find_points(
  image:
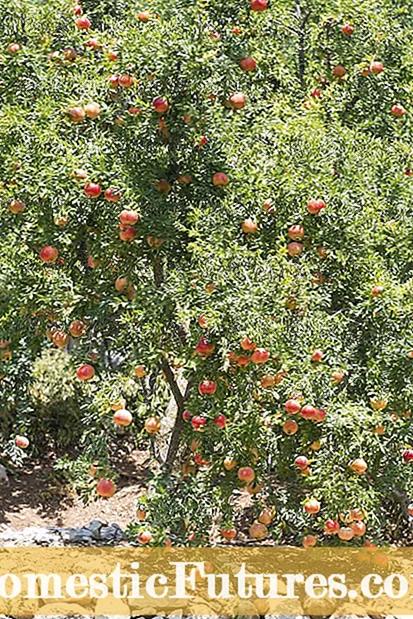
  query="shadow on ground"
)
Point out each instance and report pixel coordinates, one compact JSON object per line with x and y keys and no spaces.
{"x":36,"y":497}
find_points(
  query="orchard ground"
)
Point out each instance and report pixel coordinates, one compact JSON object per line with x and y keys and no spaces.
{"x":35,"y":498}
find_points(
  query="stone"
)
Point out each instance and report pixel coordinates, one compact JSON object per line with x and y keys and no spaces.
{"x":82,"y":535}
{"x":111,"y":533}
{"x":95,"y":527}
{"x":111,"y":608}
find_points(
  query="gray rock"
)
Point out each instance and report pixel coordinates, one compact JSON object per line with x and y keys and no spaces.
{"x":111,"y":533}
{"x":95,"y":527}
{"x":82,"y":535}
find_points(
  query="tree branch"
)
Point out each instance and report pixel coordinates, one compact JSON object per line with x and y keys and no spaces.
{"x":403,"y":500}
{"x":180,"y":399}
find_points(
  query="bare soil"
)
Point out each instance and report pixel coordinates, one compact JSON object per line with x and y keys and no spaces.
{"x":34,"y":497}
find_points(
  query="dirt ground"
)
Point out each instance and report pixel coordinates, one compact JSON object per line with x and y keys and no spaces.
{"x":33,"y":498}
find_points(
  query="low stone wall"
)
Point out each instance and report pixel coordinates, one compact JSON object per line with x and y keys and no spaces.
{"x":98,"y":533}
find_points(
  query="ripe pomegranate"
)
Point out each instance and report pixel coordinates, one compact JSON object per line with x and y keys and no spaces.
{"x":347,"y":30}
{"x":269,"y":207}
{"x":292,"y":406}
{"x":92,"y":110}
{"x":268,"y":381}
{"x":141,"y":514}
{"x":118,"y":405}
{"x":258,"y":531}
{"x":357,"y":514}
{"x":105,"y":488}
{"x":398,"y":110}
{"x":315,"y":206}
{"x":76,"y":114}
{"x":220,"y":421}
{"x":312,"y":506}
{"x":92,"y":190}
{"x":296,"y":232}
{"x":49,"y":254}
{"x":248,"y":64}
{"x":13,"y":48}
{"x":317,"y":356}
{"x":260,"y":355}
{"x":127,"y":234}
{"x":376,"y":291}
{"x":337,"y":377}
{"x":358,"y":528}
{"x":309,"y":541}
{"x":128,"y":218}
{"x":308,"y":412}
{"x":345,"y":534}
{"x":112,"y":194}
{"x":247,"y":344}
{"x":203,"y":323}
{"x":82,"y":23}
{"x":229,"y":463}
{"x":339,"y":71}
{"x":246,"y":474}
{"x":126,"y":81}
{"x":290,"y":427}
{"x":320,"y":415}
{"x":144,"y":16}
{"x":295,"y":249}
{"x":122,"y":417}
{"x":153,"y":425}
{"x":79,"y":174}
{"x":258,"y":5}
{"x":376,"y":67}
{"x":301,"y":462}
{"x":22,"y":442}
{"x":77,"y":328}
{"x":200,"y":461}
{"x":220,"y":179}
{"x":237,"y":101}
{"x":16,"y":207}
{"x":198,"y":423}
{"x":207,"y":387}
{"x":408,"y":455}
{"x":228,"y":533}
{"x":249,"y":226}
{"x":140,"y":371}
{"x":331,"y":527}
{"x":85,"y":372}
{"x":123,"y":284}
{"x":60,"y":339}
{"x":160,"y":105}
{"x":94,"y":44}
{"x":184,"y":179}
{"x":203,"y":348}
{"x":359,"y":466}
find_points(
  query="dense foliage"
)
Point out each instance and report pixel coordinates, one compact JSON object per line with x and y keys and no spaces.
{"x":208,"y":206}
